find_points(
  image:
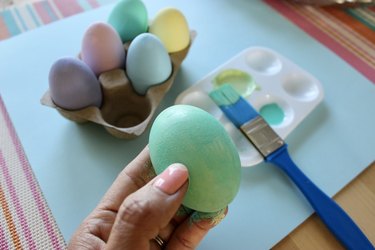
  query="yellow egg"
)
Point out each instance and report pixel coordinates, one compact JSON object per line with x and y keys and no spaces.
{"x":172,"y":29}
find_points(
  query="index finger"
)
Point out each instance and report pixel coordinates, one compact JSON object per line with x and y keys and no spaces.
{"x":134,"y":176}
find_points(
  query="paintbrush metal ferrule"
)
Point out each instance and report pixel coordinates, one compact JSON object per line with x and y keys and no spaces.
{"x":262,"y":136}
{"x":248,"y":120}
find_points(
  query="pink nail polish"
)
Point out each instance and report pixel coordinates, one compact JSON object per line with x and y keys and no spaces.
{"x":172,"y":179}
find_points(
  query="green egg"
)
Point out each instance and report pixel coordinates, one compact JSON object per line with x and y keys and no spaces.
{"x":129,"y":18}
{"x":191,"y":136}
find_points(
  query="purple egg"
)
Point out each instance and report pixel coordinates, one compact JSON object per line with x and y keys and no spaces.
{"x":73,"y":85}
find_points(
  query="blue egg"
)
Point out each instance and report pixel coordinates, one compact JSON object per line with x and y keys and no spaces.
{"x":73,"y":85}
{"x":147,"y":63}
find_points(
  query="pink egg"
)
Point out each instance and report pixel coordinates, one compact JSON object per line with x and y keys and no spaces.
{"x":102,"y":49}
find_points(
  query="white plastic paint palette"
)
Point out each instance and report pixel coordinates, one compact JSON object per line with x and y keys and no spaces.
{"x":282,"y":92}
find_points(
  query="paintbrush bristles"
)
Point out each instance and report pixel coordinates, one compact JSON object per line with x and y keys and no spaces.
{"x":236,"y":108}
{"x":224,"y":96}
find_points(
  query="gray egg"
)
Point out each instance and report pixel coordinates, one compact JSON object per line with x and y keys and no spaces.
{"x":73,"y":85}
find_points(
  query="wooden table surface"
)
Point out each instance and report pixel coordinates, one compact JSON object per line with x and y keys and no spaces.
{"x":357,"y":199}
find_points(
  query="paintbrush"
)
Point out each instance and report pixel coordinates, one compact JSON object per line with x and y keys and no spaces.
{"x":274,"y":150}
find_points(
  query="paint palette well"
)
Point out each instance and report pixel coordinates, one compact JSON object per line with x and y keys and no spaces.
{"x":282,"y":92}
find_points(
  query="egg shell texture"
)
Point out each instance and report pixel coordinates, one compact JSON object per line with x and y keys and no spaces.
{"x":73,"y":85}
{"x":102,"y":48}
{"x":191,"y":136}
{"x":147,"y":63}
{"x":171,"y":27}
{"x":129,"y":18}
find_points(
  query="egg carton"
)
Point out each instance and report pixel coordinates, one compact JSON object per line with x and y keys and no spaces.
{"x":271,"y":79}
{"x":124,"y":113}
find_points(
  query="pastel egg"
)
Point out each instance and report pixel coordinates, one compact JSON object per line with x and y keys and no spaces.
{"x":191,"y":136}
{"x":73,"y":85}
{"x":171,"y":27}
{"x":102,"y":48}
{"x":147,"y":63}
{"x":129,"y":18}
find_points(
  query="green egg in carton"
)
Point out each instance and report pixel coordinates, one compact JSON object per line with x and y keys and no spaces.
{"x":124,"y":69}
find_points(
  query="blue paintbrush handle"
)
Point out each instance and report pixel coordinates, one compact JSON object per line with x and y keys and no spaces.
{"x":334,"y":217}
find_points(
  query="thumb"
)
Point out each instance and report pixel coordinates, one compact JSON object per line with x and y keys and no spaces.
{"x":145,"y":212}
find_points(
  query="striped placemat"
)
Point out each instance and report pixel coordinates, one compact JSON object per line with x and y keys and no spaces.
{"x":17,"y":19}
{"x":349,"y":32}
{"x":26,"y":221}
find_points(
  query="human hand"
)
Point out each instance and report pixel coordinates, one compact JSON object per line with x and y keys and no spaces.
{"x":139,"y":207}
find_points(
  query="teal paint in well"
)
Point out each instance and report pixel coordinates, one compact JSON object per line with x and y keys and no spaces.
{"x":272,"y":113}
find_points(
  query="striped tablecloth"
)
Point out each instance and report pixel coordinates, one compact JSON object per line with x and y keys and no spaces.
{"x":26,"y":221}
{"x":349,"y":32}
{"x":15,"y":20}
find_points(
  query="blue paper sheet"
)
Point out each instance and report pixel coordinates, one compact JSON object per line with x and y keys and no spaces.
{"x":75,"y":164}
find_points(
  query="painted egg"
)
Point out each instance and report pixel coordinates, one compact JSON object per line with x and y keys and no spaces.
{"x":191,"y":136}
{"x":129,"y":18}
{"x":73,"y":85}
{"x":102,"y":48}
{"x":147,"y":63}
{"x":172,"y":28}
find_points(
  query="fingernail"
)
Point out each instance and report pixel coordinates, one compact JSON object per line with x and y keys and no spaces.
{"x":172,"y":179}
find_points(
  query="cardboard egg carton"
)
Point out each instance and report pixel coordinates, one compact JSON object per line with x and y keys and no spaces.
{"x":124,"y":113}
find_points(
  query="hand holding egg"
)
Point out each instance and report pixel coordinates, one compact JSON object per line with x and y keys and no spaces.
{"x":191,"y":136}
